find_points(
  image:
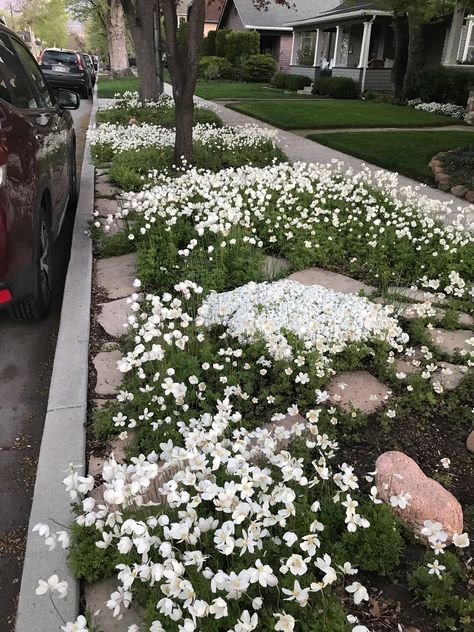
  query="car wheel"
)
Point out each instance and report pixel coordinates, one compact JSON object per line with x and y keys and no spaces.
{"x":37,"y":307}
{"x":85,"y":92}
{"x":72,"y":179}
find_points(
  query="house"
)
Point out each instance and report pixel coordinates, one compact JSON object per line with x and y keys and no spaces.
{"x":356,"y":39}
{"x":272,"y":23}
{"x":213,"y":12}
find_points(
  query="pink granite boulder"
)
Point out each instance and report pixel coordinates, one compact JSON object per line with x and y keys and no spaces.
{"x":398,"y":474}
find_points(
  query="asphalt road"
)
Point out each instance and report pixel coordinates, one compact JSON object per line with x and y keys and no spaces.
{"x":26,"y":358}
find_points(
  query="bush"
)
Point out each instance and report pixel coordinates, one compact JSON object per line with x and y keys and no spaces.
{"x":241,"y":44}
{"x":337,"y":87}
{"x":291,"y":82}
{"x":258,"y":68}
{"x":211,"y":43}
{"x":220,"y":43}
{"x":443,"y":85}
{"x":212,"y":67}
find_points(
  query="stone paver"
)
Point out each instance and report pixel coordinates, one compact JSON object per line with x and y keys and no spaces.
{"x":95,"y":465}
{"x":451,"y":341}
{"x":420,"y":296}
{"x":96,"y":596}
{"x":116,"y":275}
{"x":449,"y":375}
{"x":113,"y":317}
{"x":470,"y":442}
{"x":111,"y":228}
{"x":109,"y":377}
{"x":357,"y":390}
{"x":330,"y":280}
{"x":275,"y":266}
{"x":465,"y":320}
{"x":106,"y":206}
{"x":117,"y":446}
{"x":106,"y":190}
{"x":403,"y":366}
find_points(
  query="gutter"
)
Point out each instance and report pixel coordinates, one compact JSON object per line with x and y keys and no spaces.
{"x":339,"y":16}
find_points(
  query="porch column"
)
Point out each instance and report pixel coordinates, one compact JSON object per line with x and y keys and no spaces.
{"x":454,"y":35}
{"x":365,"y":46}
{"x":470,"y":29}
{"x":317,"y":49}
{"x":337,"y":44}
{"x":292,"y":55}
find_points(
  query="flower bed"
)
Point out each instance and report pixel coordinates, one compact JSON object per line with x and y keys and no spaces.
{"x":448,"y":109}
{"x":239,"y":504}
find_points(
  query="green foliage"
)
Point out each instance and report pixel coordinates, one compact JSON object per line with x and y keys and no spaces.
{"x":286,"y":81}
{"x":443,"y":85}
{"x":213,"y":67}
{"x":241,"y":44}
{"x":48,"y":19}
{"x":209,"y":44}
{"x":86,"y":560}
{"x":378,"y":548}
{"x":163,"y":115}
{"x":256,"y":68}
{"x":337,"y":87}
{"x":220,"y":42}
{"x":130,"y":168}
{"x":444,"y":595}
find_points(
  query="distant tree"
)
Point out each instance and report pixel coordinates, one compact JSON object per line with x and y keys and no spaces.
{"x":47,"y":18}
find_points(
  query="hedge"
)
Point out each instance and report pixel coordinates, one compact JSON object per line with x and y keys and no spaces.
{"x":285,"y":81}
{"x":258,"y":68}
{"x":337,"y":87}
{"x":241,"y":44}
{"x":443,"y":85}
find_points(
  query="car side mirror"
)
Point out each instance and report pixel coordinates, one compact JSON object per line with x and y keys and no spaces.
{"x":68,"y":100}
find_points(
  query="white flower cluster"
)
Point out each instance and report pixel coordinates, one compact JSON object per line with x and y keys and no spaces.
{"x":121,"y":138}
{"x":323,"y":320}
{"x":130,"y":99}
{"x":448,"y":109}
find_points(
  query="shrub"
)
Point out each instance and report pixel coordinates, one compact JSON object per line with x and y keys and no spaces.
{"x":258,"y":68}
{"x":211,"y":43}
{"x":337,"y":87}
{"x":163,"y":116}
{"x":286,"y":81}
{"x":443,"y":85}
{"x":241,"y":44}
{"x":213,"y":67}
{"x":221,"y":41}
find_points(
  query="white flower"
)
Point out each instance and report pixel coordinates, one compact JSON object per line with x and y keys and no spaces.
{"x":445,"y":462}
{"x":80,"y":625}
{"x":218,"y":608}
{"x":359,"y":592}
{"x":436,"y":568}
{"x":52,"y":585}
{"x":461,"y":541}
{"x":285,"y":623}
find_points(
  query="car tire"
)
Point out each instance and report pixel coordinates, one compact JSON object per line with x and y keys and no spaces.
{"x":85,"y":92}
{"x":36,"y":307}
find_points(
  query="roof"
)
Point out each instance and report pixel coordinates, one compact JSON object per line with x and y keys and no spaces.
{"x":214,"y":10}
{"x":354,"y":8}
{"x":277,"y":16}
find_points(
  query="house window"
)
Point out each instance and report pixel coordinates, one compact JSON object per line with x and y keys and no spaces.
{"x":306,"y":50}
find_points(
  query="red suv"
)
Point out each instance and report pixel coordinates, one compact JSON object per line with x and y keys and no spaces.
{"x":37,"y":177}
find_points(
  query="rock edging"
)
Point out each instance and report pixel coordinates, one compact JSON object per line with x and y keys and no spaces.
{"x":443,"y":180}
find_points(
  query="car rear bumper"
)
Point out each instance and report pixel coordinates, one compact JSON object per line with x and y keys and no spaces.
{"x":68,"y":81}
{"x":20,"y":286}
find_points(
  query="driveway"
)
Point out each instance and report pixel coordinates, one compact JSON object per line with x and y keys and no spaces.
{"x":26,"y":358}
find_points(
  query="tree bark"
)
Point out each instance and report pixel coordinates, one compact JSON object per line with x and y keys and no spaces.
{"x":183,"y":67}
{"x":117,"y":40}
{"x":139,"y":15}
{"x":401,"y":56}
{"x":416,"y":55}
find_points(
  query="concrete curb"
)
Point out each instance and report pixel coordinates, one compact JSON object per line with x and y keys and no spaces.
{"x":64,"y":437}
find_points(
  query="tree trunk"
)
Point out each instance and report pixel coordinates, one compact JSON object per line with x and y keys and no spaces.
{"x":139,"y":16}
{"x":401,"y":56}
{"x":159,"y":47}
{"x":183,"y":66}
{"x":117,"y":40}
{"x":416,"y":55}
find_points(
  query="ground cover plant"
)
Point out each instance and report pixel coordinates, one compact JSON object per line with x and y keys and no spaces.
{"x":239,"y":505}
{"x":328,"y":113}
{"x":407,"y":152}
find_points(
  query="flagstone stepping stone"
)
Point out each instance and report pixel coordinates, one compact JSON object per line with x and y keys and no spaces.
{"x":452,"y":341}
{"x":116,"y":275}
{"x":106,"y":206}
{"x":397,"y":474}
{"x":96,"y":463}
{"x":330,"y":280}
{"x":106,"y":190}
{"x":109,"y":377}
{"x":101,"y":172}
{"x":110,"y":229}
{"x":417,"y":295}
{"x":465,"y":320}
{"x":411,"y":311}
{"x":404,"y":366}
{"x":274,"y":267}
{"x":102,"y":178}
{"x":113,"y":317}
{"x":97,"y":595}
{"x":449,"y":375}
{"x":357,"y":390}
{"x":117,"y":446}
{"x":470,"y":442}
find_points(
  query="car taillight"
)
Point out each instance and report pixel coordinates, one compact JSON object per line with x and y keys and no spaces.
{"x":79,"y":65}
{"x":5,"y":296}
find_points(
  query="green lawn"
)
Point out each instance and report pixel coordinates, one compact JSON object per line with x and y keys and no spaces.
{"x":407,"y":153}
{"x":324,"y":114}
{"x":206,"y":89}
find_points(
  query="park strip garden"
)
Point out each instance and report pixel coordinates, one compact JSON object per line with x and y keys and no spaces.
{"x":248,"y":496}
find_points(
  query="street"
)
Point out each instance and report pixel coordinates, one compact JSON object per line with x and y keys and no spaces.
{"x":27,"y":353}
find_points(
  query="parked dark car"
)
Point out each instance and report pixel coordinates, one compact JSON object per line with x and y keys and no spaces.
{"x":37,"y":177}
{"x":90,"y":65}
{"x":95,"y":59}
{"x":67,"y":69}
